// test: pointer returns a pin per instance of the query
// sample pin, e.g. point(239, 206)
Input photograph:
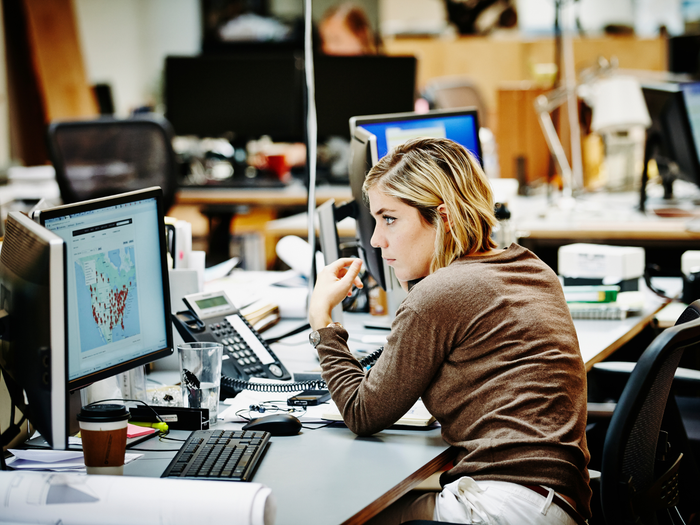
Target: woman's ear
point(442, 210)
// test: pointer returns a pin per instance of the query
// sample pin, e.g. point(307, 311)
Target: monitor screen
point(33, 349)
point(361, 85)
point(461, 126)
point(674, 134)
point(241, 96)
point(117, 291)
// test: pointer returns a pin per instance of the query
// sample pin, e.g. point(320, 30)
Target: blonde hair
point(427, 172)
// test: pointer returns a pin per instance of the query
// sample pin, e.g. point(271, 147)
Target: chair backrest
point(630, 449)
point(96, 158)
point(456, 92)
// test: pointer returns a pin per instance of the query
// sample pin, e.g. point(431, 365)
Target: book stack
point(594, 302)
point(261, 314)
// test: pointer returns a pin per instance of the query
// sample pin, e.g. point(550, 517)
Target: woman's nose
point(377, 240)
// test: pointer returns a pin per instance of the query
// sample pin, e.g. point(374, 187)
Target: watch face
point(314, 338)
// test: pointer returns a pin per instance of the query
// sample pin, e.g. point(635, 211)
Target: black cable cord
point(295, 331)
point(160, 419)
point(238, 385)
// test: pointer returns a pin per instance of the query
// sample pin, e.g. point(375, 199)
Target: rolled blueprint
point(50, 498)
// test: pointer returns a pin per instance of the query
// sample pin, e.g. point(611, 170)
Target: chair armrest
point(684, 376)
point(601, 410)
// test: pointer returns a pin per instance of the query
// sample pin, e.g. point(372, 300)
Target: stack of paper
point(55, 460)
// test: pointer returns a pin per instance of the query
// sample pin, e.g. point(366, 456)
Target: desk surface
point(605, 217)
point(330, 475)
point(293, 195)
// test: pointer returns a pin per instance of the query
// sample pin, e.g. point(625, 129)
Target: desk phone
point(212, 317)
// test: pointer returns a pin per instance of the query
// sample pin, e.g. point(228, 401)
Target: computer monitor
point(459, 125)
point(247, 95)
point(34, 330)
point(117, 291)
point(361, 85)
point(673, 139)
point(372, 138)
point(240, 96)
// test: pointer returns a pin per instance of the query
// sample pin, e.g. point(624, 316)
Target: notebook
point(417, 416)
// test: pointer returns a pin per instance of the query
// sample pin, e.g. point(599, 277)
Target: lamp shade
point(618, 105)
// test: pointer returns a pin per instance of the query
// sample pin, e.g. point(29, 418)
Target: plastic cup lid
point(103, 413)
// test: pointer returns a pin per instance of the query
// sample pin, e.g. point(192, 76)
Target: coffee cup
point(103, 433)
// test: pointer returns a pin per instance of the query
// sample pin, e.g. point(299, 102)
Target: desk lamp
point(618, 111)
point(620, 117)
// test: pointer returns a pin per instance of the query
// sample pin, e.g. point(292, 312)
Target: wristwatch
point(315, 337)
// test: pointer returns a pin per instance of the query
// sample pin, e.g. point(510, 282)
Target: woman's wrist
point(317, 322)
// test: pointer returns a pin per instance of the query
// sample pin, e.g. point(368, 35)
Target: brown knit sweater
point(489, 345)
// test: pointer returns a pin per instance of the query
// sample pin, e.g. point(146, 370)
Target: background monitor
point(373, 136)
point(33, 348)
point(117, 292)
point(241, 96)
point(461, 126)
point(361, 85)
point(673, 139)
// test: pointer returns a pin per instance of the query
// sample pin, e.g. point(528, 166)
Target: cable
point(317, 384)
point(295, 331)
point(160, 419)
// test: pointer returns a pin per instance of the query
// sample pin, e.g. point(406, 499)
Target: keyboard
point(227, 455)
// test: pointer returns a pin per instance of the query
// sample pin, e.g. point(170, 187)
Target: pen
point(163, 427)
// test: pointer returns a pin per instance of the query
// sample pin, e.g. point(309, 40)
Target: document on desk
point(239, 410)
point(55, 460)
point(417, 416)
point(49, 497)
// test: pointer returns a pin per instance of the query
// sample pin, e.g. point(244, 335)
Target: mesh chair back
point(102, 157)
point(630, 449)
point(457, 92)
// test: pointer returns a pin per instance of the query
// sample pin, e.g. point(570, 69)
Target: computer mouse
point(276, 424)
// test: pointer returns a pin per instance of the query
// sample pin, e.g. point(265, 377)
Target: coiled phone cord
point(317, 384)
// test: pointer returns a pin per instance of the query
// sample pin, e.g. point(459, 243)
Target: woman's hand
point(333, 284)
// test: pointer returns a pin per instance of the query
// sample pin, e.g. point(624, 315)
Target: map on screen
point(107, 297)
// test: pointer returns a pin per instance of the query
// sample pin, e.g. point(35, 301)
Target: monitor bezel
point(360, 120)
point(94, 204)
point(365, 143)
point(56, 435)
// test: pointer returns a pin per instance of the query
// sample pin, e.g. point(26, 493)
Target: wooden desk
point(219, 205)
point(293, 195)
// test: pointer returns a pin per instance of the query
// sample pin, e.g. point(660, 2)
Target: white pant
point(482, 503)
point(496, 503)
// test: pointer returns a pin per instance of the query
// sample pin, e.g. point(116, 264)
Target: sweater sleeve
point(374, 400)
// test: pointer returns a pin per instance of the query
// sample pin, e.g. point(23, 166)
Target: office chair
point(101, 157)
point(456, 92)
point(632, 490)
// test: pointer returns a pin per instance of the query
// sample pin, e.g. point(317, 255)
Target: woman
point(484, 337)
point(345, 30)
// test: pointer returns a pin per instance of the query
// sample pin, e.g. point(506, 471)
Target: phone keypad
point(236, 348)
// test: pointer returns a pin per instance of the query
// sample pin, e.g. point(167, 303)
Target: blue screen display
point(459, 128)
